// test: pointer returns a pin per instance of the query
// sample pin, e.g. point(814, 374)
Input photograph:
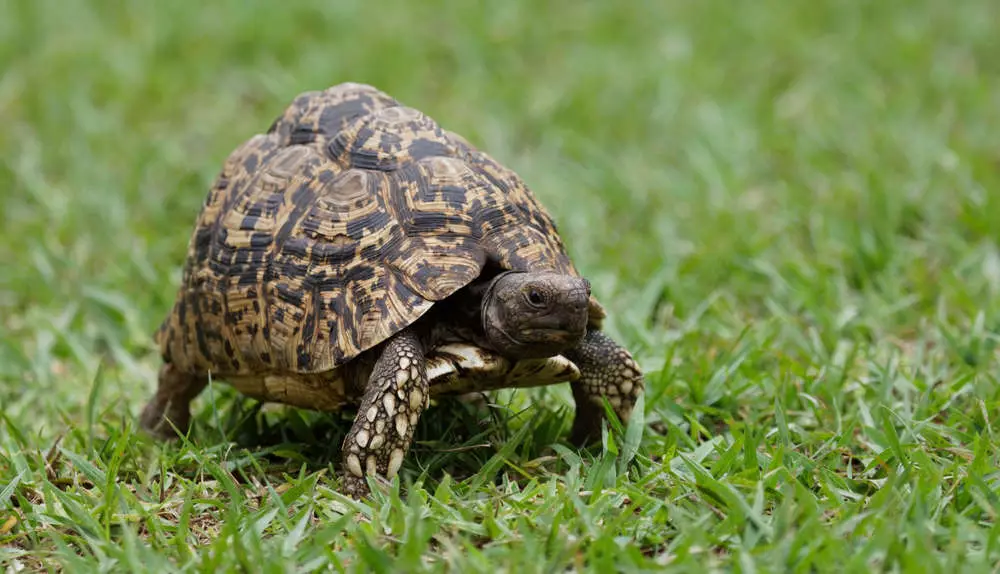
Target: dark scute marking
point(202, 243)
point(326, 175)
point(199, 334)
point(273, 203)
point(377, 220)
point(425, 274)
point(336, 147)
point(270, 274)
point(421, 148)
point(247, 277)
point(253, 211)
point(250, 163)
point(333, 118)
point(369, 159)
point(292, 269)
point(286, 293)
point(360, 273)
point(182, 309)
point(241, 257)
point(230, 351)
point(423, 221)
point(490, 215)
point(301, 135)
point(368, 252)
point(250, 220)
point(297, 247)
point(301, 200)
point(310, 225)
point(279, 314)
point(501, 185)
point(453, 195)
point(309, 328)
point(382, 306)
point(304, 358)
point(260, 240)
point(308, 332)
point(389, 141)
point(361, 305)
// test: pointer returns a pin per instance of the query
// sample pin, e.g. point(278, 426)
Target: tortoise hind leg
point(396, 396)
point(606, 370)
point(171, 405)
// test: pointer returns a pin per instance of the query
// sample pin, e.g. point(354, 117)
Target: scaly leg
point(396, 395)
point(171, 405)
point(606, 370)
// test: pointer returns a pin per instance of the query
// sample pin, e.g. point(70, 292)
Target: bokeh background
point(790, 209)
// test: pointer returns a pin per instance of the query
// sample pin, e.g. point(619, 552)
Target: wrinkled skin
point(530, 315)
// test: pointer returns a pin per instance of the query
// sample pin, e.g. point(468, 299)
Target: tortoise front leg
point(606, 370)
point(396, 395)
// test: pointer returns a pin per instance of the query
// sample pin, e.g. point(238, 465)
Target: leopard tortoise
point(357, 254)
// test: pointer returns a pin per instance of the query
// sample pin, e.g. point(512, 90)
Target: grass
point(790, 210)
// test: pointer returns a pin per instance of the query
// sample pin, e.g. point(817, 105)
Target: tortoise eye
point(535, 297)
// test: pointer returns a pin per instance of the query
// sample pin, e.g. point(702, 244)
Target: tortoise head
point(535, 314)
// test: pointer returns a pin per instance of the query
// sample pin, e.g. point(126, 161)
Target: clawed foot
point(354, 486)
point(607, 371)
point(357, 487)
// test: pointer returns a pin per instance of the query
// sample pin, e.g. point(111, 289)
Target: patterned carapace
point(339, 227)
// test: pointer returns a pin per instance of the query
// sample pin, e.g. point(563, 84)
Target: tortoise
point(359, 255)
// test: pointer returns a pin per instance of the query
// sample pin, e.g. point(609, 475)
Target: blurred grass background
point(788, 207)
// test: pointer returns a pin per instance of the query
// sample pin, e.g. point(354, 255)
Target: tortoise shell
point(339, 227)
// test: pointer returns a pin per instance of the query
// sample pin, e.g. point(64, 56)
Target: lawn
point(790, 210)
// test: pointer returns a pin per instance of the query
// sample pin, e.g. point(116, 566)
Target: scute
point(339, 227)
